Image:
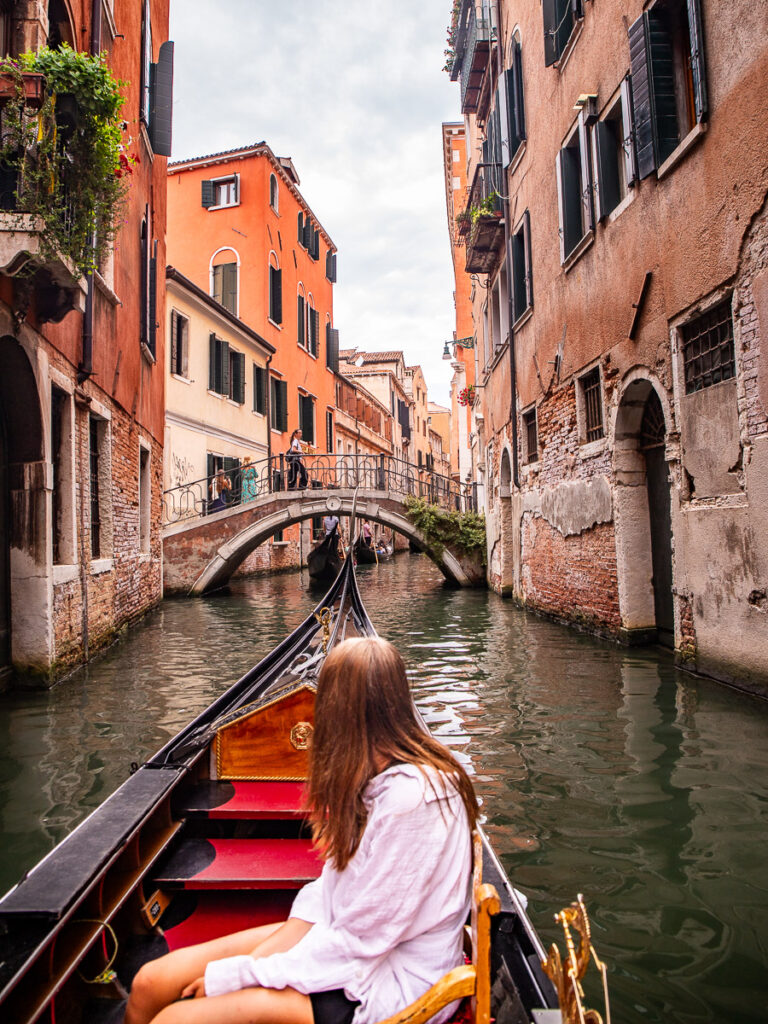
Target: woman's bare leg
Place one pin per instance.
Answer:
(160, 982)
(249, 1006)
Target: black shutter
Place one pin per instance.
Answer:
(315, 332)
(174, 341)
(207, 188)
(282, 388)
(152, 304)
(212, 362)
(240, 396)
(518, 274)
(528, 259)
(161, 101)
(300, 318)
(698, 66)
(329, 431)
(210, 469)
(307, 235)
(332, 349)
(275, 295)
(518, 104)
(608, 188)
(301, 229)
(558, 25)
(223, 381)
(259, 389)
(330, 266)
(570, 172)
(144, 289)
(653, 93)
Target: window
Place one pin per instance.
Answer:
(179, 344)
(330, 266)
(560, 19)
(301, 229)
(329, 431)
(307, 418)
(669, 89)
(226, 370)
(708, 350)
(530, 436)
(225, 285)
(273, 195)
(331, 348)
(590, 405)
(259, 389)
(301, 319)
(309, 236)
(574, 189)
(318, 529)
(145, 498)
(63, 477)
(275, 291)
(219, 192)
(313, 327)
(614, 154)
(277, 536)
(278, 404)
(522, 271)
(513, 110)
(148, 325)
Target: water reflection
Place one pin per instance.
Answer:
(601, 769)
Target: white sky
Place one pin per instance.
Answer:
(354, 92)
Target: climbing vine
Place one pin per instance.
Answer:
(442, 528)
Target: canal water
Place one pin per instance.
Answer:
(602, 770)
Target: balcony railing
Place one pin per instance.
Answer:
(486, 234)
(474, 58)
(324, 472)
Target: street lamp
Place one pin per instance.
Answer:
(447, 354)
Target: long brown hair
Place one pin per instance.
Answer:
(365, 720)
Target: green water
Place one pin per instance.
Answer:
(602, 770)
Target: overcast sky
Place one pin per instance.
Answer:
(355, 94)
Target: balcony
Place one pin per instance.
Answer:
(486, 234)
(473, 47)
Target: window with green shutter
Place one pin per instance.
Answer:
(179, 344)
(259, 389)
(225, 286)
(574, 189)
(307, 418)
(522, 270)
(219, 366)
(301, 318)
(560, 19)
(332, 348)
(313, 323)
(275, 295)
(236, 389)
(278, 404)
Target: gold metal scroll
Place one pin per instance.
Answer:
(567, 976)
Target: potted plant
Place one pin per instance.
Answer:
(463, 222)
(28, 87)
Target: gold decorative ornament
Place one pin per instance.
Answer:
(324, 617)
(301, 735)
(566, 977)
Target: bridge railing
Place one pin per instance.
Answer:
(244, 483)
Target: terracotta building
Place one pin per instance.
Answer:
(463, 431)
(240, 229)
(619, 235)
(383, 374)
(81, 391)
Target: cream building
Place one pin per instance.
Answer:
(216, 400)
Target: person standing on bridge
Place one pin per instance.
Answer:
(297, 471)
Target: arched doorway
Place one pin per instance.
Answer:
(642, 514)
(653, 435)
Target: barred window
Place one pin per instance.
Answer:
(708, 351)
(593, 408)
(531, 436)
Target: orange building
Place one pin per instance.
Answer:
(455, 169)
(239, 228)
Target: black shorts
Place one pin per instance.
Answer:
(332, 1007)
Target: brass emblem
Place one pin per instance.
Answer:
(301, 735)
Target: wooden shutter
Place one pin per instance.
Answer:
(504, 109)
(282, 391)
(259, 389)
(161, 101)
(330, 266)
(549, 10)
(301, 229)
(518, 104)
(587, 199)
(698, 66)
(223, 369)
(174, 341)
(208, 193)
(518, 274)
(275, 295)
(213, 362)
(332, 349)
(653, 94)
(628, 140)
(230, 287)
(301, 318)
(569, 200)
(329, 431)
(144, 290)
(218, 283)
(315, 336)
(237, 384)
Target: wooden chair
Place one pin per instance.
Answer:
(472, 979)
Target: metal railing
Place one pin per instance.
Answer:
(244, 484)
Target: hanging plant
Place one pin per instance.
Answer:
(467, 395)
(69, 156)
(450, 52)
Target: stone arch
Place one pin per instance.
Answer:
(24, 499)
(508, 525)
(637, 544)
(228, 556)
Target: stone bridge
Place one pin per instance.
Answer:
(201, 553)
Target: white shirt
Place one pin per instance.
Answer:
(389, 925)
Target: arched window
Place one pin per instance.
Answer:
(224, 274)
(275, 289)
(273, 195)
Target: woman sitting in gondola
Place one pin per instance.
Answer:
(392, 812)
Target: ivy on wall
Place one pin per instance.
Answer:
(442, 528)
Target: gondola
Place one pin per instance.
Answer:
(364, 553)
(324, 560)
(208, 837)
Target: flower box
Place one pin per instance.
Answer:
(33, 86)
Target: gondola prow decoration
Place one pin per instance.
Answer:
(567, 976)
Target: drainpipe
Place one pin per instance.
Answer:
(86, 363)
(510, 295)
(267, 398)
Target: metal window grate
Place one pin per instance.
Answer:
(593, 410)
(708, 350)
(531, 436)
